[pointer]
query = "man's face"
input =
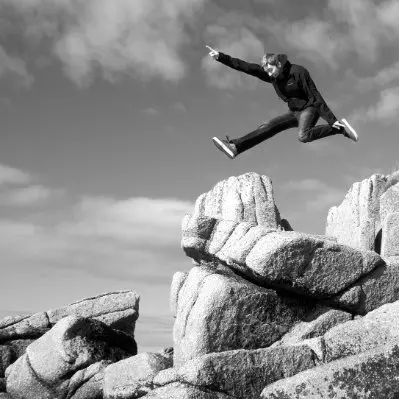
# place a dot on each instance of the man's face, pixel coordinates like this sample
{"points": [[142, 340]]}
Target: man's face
{"points": [[273, 70]]}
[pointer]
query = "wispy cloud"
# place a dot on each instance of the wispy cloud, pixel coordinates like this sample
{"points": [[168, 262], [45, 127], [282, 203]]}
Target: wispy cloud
{"points": [[113, 38], [9, 175], [27, 196], [100, 235], [385, 110], [16, 68], [151, 111]]}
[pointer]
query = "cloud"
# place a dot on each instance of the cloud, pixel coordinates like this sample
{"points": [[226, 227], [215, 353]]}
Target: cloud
{"points": [[135, 237], [384, 77], [111, 38], [9, 175], [151, 111], [27, 196], [323, 195], [14, 67], [386, 110], [239, 42]]}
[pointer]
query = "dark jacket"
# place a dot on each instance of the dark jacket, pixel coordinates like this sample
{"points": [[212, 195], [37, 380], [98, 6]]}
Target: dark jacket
{"points": [[294, 84]]}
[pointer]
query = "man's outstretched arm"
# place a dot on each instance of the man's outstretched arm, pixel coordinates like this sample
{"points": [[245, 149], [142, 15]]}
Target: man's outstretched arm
{"points": [[239, 65]]}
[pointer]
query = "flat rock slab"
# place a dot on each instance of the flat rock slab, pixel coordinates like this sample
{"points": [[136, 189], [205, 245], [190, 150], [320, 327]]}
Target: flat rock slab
{"points": [[301, 263], [240, 373], [118, 310], [218, 311], [372, 374], [246, 198]]}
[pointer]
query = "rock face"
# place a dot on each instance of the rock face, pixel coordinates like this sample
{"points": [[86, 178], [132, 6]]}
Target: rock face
{"points": [[65, 358], [246, 198], [372, 374], [264, 312], [219, 311], [356, 221]]}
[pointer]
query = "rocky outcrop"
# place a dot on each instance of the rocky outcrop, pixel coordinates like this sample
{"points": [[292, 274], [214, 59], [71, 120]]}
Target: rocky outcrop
{"points": [[356, 221], [264, 312], [73, 353]]}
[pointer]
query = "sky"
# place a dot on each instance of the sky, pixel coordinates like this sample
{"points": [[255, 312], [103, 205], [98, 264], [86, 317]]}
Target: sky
{"points": [[107, 111]]}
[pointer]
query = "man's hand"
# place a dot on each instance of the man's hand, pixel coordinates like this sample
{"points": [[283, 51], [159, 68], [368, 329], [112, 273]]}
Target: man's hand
{"points": [[213, 53], [338, 125]]}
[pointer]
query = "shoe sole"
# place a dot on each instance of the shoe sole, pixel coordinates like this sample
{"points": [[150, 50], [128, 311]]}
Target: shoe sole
{"points": [[222, 147], [352, 132]]}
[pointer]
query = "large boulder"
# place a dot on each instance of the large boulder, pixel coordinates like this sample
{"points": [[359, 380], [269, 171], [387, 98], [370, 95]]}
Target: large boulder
{"points": [[132, 377], [356, 222], [304, 264], [246, 198], [61, 361], [372, 374], [218, 310]]}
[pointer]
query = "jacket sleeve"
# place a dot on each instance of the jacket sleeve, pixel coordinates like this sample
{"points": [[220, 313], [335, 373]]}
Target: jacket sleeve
{"points": [[315, 98], [243, 66]]}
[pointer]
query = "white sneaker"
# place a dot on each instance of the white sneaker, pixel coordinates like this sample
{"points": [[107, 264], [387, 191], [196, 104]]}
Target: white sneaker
{"points": [[350, 132], [225, 146]]}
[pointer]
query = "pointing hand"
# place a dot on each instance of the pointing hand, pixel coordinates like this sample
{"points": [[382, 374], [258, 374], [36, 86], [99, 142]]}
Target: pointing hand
{"points": [[213, 53]]}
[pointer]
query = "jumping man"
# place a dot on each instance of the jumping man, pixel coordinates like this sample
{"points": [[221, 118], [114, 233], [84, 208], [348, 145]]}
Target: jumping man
{"points": [[294, 86]]}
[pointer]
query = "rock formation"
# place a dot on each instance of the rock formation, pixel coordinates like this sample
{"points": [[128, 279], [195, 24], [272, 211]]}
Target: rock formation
{"points": [[263, 311]]}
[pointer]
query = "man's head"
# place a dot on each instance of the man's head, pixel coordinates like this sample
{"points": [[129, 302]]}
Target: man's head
{"points": [[273, 64]]}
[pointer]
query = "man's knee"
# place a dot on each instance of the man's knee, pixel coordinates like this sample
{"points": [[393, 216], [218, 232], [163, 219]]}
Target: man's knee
{"points": [[304, 136]]}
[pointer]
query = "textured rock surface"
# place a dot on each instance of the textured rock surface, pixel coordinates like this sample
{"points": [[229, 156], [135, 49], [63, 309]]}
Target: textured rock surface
{"points": [[218, 311], [132, 377], [356, 222], [372, 374], [118, 310], [24, 326], [300, 263], [240, 373], [390, 236], [59, 362], [246, 198], [316, 325], [184, 391], [177, 282]]}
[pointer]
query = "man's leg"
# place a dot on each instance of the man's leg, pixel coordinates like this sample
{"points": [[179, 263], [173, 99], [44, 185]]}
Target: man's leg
{"points": [[307, 131], [265, 131]]}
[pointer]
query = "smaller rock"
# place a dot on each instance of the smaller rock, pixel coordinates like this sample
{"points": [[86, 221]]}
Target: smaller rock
{"points": [[132, 377], [54, 363]]}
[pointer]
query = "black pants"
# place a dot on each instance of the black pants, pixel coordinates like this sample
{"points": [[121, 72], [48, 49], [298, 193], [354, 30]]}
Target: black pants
{"points": [[305, 121]]}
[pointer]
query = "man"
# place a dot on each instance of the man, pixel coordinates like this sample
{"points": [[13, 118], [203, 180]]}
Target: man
{"points": [[295, 87]]}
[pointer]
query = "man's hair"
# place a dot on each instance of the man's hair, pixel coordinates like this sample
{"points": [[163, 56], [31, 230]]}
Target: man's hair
{"points": [[273, 59], [269, 58]]}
